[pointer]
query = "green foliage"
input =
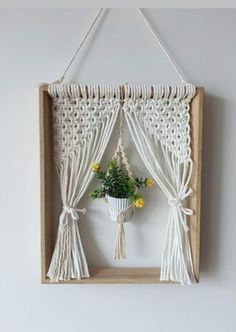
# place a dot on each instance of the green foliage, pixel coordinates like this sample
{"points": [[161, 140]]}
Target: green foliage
{"points": [[116, 182]]}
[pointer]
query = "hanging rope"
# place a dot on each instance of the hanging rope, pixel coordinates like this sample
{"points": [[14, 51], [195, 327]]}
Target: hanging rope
{"points": [[80, 46], [154, 33], [164, 49]]}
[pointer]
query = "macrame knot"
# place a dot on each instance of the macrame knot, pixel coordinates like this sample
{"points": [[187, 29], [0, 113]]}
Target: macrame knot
{"points": [[121, 217], [176, 203], [72, 211]]}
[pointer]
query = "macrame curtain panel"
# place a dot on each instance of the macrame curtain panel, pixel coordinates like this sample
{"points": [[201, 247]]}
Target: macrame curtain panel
{"points": [[83, 120], [158, 120]]}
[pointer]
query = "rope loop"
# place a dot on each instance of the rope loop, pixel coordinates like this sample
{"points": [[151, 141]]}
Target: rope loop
{"points": [[175, 202], [177, 207], [73, 212]]}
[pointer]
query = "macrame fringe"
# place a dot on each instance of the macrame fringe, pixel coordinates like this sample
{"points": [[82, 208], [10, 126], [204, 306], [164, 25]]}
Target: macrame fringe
{"points": [[177, 262], [68, 261], [120, 242], [119, 214], [176, 258]]}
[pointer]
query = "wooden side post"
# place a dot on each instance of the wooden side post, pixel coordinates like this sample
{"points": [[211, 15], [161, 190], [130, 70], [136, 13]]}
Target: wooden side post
{"points": [[46, 170], [196, 114]]}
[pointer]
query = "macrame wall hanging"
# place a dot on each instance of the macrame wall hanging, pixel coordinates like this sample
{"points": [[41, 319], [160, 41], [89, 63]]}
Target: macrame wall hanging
{"points": [[158, 118]]}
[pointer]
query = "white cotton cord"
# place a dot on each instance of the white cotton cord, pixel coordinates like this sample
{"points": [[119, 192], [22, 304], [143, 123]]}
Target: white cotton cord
{"points": [[68, 261], [171, 262], [172, 171], [164, 49], [80, 91], [75, 150], [154, 33], [72, 211], [176, 258], [80, 46], [184, 91]]}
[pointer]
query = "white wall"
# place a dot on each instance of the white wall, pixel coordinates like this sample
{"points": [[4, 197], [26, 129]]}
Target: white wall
{"points": [[35, 45]]}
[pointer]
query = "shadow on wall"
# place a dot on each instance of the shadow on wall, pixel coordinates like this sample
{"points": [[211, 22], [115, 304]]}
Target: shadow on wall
{"points": [[211, 215]]}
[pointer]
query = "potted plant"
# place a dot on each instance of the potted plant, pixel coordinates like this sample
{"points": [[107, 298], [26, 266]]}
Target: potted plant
{"points": [[121, 193], [118, 188]]}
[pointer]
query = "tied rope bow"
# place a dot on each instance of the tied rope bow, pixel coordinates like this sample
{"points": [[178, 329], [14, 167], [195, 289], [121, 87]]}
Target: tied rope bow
{"points": [[178, 203], [72, 211]]}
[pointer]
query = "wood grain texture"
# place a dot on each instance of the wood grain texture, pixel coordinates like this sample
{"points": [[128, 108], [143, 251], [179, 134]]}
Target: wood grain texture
{"points": [[46, 170], [196, 120], [114, 275], [119, 276]]}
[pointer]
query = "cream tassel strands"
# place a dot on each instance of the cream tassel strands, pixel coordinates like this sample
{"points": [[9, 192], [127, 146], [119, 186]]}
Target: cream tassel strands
{"points": [[121, 212], [83, 119]]}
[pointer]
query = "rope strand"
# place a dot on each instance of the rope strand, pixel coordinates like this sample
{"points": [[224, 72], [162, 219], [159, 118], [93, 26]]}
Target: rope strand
{"points": [[80, 46], [164, 49], [154, 33]]}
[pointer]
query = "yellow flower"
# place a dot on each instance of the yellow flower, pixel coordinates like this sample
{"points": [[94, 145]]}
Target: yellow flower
{"points": [[149, 182], [139, 203], [95, 167]]}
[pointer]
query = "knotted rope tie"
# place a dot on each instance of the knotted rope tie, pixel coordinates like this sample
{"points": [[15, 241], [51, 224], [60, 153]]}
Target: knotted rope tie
{"points": [[120, 213], [178, 204], [121, 217], [72, 211]]}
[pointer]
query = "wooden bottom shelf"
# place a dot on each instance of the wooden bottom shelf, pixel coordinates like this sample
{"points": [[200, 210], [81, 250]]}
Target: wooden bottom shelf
{"points": [[118, 276]]}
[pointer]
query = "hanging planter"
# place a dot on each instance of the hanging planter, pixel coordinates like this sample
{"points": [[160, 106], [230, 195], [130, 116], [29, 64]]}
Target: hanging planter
{"points": [[120, 190], [119, 204]]}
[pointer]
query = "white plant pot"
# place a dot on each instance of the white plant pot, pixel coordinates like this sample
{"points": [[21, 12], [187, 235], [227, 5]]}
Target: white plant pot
{"points": [[117, 204]]}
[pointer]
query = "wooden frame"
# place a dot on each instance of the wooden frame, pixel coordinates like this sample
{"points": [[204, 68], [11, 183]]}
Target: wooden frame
{"points": [[114, 275]]}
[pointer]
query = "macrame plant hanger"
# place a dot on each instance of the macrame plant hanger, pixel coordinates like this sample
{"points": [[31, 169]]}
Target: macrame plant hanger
{"points": [[122, 161], [68, 261]]}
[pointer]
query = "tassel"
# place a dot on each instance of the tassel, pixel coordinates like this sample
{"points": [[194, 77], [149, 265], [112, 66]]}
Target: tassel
{"points": [[120, 238], [68, 260]]}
